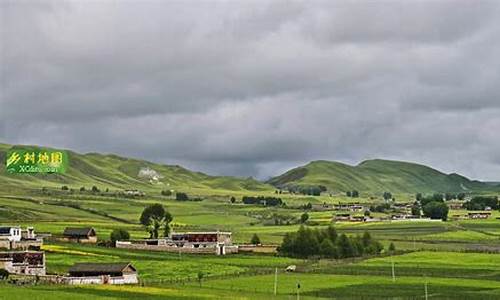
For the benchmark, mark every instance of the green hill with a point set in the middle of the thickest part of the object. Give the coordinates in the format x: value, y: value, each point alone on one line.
x: 375, y: 176
x: 115, y: 172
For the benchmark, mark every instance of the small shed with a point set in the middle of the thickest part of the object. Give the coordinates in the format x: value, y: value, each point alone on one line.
x: 80, y: 234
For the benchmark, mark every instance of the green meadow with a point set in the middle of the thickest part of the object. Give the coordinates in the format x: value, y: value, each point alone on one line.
x: 454, y: 259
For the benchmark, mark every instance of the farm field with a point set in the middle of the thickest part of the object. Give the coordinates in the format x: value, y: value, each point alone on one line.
x: 452, y: 257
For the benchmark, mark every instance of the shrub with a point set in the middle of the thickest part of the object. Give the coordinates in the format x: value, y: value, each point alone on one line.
x: 436, y: 210
x: 118, y: 235
x: 255, y: 239
x: 181, y: 197
x: 304, y: 217
x: 166, y: 193
x: 4, y: 274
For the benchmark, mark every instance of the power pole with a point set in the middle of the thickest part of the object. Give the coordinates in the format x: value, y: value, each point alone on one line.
x: 425, y: 287
x: 393, y: 273
x: 298, y: 291
x: 275, y: 281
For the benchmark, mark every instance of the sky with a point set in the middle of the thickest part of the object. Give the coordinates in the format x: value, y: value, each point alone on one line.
x: 254, y: 88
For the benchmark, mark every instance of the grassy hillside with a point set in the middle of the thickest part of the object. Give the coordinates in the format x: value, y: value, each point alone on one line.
x: 376, y: 176
x: 115, y: 172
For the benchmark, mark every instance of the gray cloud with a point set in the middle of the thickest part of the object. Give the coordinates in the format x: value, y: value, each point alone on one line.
x: 254, y: 88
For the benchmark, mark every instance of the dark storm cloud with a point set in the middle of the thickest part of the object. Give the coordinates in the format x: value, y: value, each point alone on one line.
x: 253, y: 88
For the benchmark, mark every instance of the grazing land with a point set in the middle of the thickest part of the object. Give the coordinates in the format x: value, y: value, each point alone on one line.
x: 455, y: 259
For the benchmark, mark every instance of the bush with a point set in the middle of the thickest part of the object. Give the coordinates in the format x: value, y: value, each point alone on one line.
x: 95, y: 189
x: 119, y: 235
x: 255, y: 239
x: 304, y: 217
x: 181, y: 197
x: 64, y: 188
x: 436, y: 210
x: 4, y: 274
x: 166, y: 193
x: 392, y: 248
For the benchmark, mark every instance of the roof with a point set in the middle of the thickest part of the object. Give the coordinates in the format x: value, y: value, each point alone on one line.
x: 100, y: 267
x: 79, y: 231
x: 6, y: 230
x: 202, y: 232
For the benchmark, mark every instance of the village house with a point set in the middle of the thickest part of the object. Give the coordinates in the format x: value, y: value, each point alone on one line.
x: 102, y: 273
x: 14, y: 237
x: 354, y: 207
x: 80, y: 235
x: 479, y: 215
x: 213, y: 242
x: 134, y: 193
x: 341, y: 217
x: 23, y: 262
x: 455, y: 205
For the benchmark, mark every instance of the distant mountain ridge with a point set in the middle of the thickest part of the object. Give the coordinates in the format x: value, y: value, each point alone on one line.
x: 376, y: 175
x: 118, y: 172
x: 113, y: 171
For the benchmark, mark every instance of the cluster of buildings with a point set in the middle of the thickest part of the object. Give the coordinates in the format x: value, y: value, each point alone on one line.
x: 20, y: 251
x: 211, y: 242
x: 20, y: 254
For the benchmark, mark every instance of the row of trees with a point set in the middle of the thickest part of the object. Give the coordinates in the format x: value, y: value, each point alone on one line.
x: 439, y: 197
x: 308, y: 242
x: 262, y: 200
x: 481, y: 202
x: 311, y: 190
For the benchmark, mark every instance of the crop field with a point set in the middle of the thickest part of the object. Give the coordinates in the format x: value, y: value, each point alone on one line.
x: 437, y: 253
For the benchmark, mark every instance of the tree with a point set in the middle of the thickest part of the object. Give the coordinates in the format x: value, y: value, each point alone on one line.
x: 355, y: 194
x: 95, y: 189
x: 154, y: 217
x: 331, y: 233
x: 181, y: 197
x: 387, y: 196
x: 348, y: 193
x: 415, y: 209
x: 436, y: 210
x: 367, y: 239
x: 200, y: 277
x: 167, y: 193
x: 392, y: 248
x: 481, y: 202
x: 233, y: 200
x: 327, y: 248
x: 461, y: 196
x: 345, y: 246
x: 82, y: 189
x: 4, y: 274
x: 64, y: 188
x: 119, y: 235
x: 255, y: 239
x: 418, y: 196
x: 304, y: 217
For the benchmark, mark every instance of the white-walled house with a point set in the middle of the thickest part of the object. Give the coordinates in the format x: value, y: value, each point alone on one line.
x: 12, y: 234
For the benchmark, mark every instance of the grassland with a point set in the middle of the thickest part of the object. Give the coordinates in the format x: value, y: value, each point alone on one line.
x: 450, y: 256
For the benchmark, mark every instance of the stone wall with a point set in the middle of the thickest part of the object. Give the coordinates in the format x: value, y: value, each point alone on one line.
x: 127, y: 245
